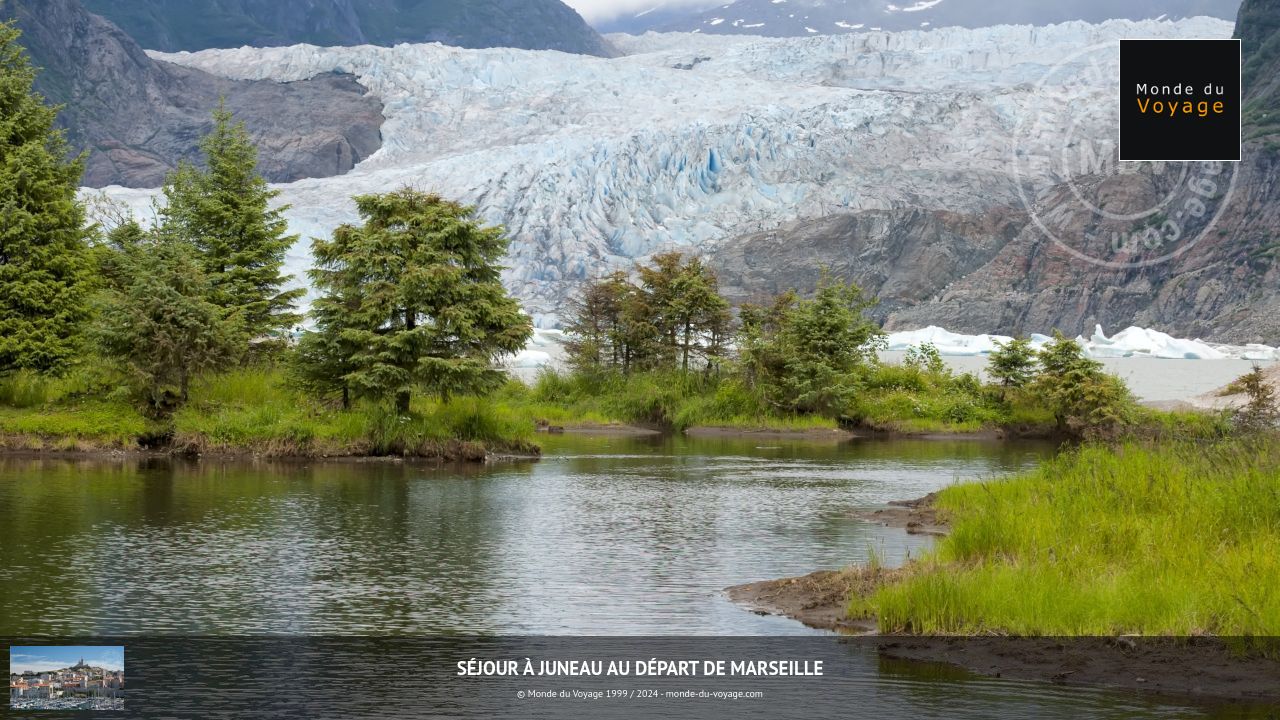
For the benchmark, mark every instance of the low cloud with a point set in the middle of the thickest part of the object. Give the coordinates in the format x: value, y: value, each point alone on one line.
x: 600, y: 10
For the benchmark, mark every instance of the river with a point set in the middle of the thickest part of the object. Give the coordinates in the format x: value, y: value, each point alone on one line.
x: 605, y: 536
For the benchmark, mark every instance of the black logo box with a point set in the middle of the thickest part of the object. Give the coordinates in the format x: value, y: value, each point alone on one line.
x: 1189, y: 65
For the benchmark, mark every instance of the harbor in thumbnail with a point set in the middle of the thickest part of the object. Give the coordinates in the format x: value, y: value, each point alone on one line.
x: 66, y: 678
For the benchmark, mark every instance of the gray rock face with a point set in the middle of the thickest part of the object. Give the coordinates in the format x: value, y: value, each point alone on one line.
x: 175, y: 25
x: 138, y: 117
x: 899, y: 256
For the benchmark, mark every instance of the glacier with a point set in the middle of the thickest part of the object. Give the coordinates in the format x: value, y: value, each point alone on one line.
x: 595, y: 164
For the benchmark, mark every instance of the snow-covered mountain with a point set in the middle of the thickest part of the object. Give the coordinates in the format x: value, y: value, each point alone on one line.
x: 799, y: 18
x: 689, y: 140
x: 659, y: 14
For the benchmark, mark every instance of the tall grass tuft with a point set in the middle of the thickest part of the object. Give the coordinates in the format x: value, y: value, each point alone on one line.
x: 1172, y: 539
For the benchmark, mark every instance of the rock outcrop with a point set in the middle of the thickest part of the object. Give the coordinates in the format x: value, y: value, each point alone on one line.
x: 138, y: 117
x: 898, y: 256
x: 175, y: 25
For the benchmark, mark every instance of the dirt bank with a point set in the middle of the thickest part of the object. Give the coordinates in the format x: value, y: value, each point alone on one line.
x: 818, y: 600
x: 1229, y: 396
x: 770, y: 434
x: 917, y: 517
x: 1197, y: 667
x: 600, y: 430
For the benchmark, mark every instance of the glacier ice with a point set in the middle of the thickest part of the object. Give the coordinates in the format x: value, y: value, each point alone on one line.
x: 593, y: 164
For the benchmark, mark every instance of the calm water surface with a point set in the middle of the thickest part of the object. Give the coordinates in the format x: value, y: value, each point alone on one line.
x: 604, y: 536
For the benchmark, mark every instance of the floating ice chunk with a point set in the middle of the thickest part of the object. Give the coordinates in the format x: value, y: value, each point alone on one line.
x: 947, y: 342
x: 1130, y: 342
x: 528, y: 359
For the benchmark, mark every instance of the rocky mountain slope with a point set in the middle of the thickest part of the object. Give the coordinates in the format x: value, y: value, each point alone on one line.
x: 1224, y: 286
x: 798, y: 18
x: 693, y: 140
x: 1220, y: 279
x: 899, y: 255
x: 172, y: 25
x: 138, y: 117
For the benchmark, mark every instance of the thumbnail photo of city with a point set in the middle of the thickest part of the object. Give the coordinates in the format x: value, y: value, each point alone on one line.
x: 66, y: 677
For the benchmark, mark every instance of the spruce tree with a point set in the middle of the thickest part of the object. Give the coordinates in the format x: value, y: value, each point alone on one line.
x: 823, y: 342
x: 421, y: 296
x: 806, y: 354
x: 1086, y: 401
x: 1013, y: 364
x: 686, y: 308
x: 43, y: 250
x: 224, y: 211
x: 157, y: 322
x: 325, y: 355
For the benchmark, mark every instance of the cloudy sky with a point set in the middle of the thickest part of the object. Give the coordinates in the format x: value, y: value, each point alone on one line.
x: 596, y: 10
x: 46, y: 658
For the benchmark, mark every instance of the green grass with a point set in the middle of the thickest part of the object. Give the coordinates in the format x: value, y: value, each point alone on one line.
x: 670, y: 400
x: 86, y: 408
x: 892, y: 398
x: 256, y: 409
x: 251, y: 410
x: 94, y: 422
x: 900, y: 398
x: 1169, y: 539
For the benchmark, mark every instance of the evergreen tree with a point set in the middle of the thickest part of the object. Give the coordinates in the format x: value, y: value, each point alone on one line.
x: 806, y: 354
x: 159, y: 324
x: 686, y: 309
x: 1013, y: 364
x: 594, y: 336
x: 427, y: 306
x: 113, y: 255
x: 43, y: 251
x: 1085, y: 400
x: 325, y: 356
x: 759, y: 353
x: 224, y: 211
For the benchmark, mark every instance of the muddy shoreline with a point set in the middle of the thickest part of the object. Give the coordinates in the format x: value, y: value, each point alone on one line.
x: 1209, y: 669
x: 450, y: 454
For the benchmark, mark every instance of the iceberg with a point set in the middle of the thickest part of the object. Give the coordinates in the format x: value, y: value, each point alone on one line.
x: 947, y: 343
x: 1130, y: 342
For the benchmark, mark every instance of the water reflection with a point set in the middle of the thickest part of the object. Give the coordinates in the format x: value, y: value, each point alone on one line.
x: 604, y: 536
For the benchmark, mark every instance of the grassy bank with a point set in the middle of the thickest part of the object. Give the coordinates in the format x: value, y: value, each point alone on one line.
x: 257, y: 411
x: 891, y: 399
x: 1173, y: 539
x: 251, y: 411
x: 669, y: 400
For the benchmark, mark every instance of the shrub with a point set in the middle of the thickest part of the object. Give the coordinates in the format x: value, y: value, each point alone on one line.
x: 1260, y: 411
